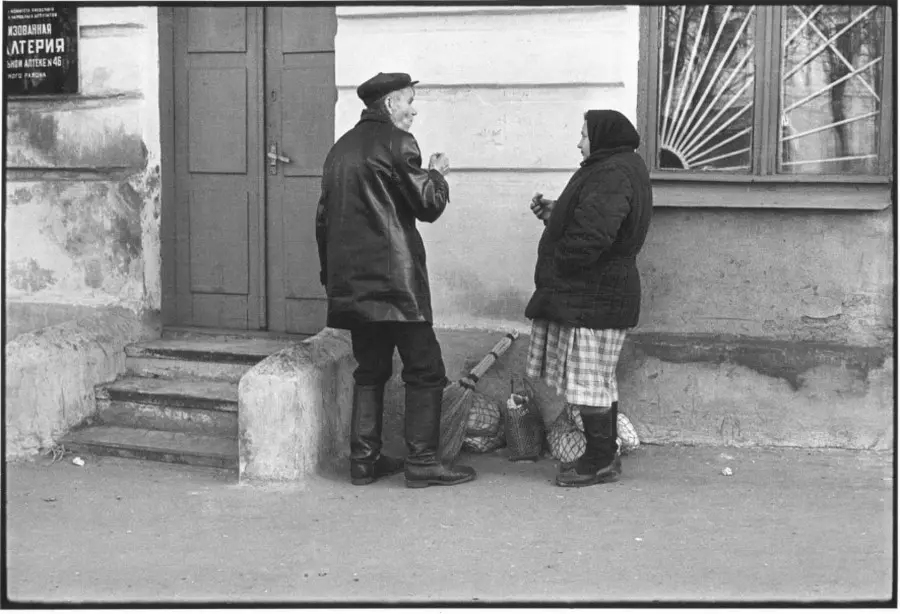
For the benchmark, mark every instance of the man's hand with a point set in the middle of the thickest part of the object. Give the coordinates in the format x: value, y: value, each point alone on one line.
x: 439, y: 162
x: 541, y: 207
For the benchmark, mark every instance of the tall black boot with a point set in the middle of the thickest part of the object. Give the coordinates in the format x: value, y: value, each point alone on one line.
x: 600, y: 461
x: 366, y: 462
x: 423, y: 436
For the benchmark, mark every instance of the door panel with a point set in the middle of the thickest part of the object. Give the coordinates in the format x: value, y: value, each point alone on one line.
x: 219, y: 147
x: 301, y: 265
x: 219, y: 239
x: 300, y: 99
x: 217, y: 125
x: 308, y: 29
x: 217, y: 29
x: 307, y: 126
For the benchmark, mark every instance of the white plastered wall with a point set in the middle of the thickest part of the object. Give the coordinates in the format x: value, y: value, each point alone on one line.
x: 502, y: 91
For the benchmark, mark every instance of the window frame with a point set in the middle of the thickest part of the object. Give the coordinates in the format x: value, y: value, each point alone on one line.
x: 876, y: 189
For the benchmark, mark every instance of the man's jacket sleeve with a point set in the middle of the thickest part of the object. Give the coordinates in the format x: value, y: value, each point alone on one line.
x: 425, y: 191
x: 599, y: 212
x: 321, y: 226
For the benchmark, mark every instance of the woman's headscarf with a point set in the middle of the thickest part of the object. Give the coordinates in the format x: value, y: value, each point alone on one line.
x: 610, y: 133
x: 608, y: 129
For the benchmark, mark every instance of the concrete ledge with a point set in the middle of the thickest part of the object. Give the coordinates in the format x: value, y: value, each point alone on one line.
x: 51, y: 374
x: 294, y: 409
x: 703, y: 389
x: 711, y: 390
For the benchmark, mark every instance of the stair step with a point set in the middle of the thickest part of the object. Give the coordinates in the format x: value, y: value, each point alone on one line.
x: 190, y: 406
x: 199, y: 394
x: 177, y: 369
x: 216, y: 359
x: 154, y: 445
x: 167, y: 418
x: 232, y: 351
x: 225, y: 334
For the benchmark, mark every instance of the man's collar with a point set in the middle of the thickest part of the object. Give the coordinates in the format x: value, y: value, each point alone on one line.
x: 374, y: 116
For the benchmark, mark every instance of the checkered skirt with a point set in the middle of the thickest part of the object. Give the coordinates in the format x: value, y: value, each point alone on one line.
x: 579, y: 362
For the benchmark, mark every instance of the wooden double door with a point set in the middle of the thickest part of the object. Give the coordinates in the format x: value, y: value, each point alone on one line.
x: 253, y: 96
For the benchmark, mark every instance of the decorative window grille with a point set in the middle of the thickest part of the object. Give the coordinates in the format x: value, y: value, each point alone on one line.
x: 766, y: 90
x: 705, y: 103
x: 831, y: 71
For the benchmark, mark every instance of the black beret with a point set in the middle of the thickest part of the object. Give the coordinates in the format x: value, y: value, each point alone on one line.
x: 383, y: 84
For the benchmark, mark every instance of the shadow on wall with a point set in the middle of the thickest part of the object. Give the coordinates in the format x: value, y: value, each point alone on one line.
x: 37, y: 138
x: 460, y: 292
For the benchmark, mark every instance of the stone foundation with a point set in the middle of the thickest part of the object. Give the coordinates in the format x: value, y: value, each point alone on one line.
x: 51, y: 374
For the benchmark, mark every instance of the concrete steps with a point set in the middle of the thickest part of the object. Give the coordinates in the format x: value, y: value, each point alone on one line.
x: 218, y: 359
x: 205, y: 407
x: 178, y: 399
x: 147, y: 444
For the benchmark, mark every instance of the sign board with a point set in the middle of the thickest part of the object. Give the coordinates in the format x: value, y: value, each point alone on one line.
x: 41, y: 49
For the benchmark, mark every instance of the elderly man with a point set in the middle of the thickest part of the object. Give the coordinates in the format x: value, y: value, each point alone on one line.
x: 373, y: 268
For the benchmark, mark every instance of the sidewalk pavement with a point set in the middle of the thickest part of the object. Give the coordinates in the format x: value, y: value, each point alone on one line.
x: 789, y: 524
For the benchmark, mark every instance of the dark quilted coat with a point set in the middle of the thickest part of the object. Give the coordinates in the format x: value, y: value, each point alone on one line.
x: 586, y: 273
x: 371, y: 254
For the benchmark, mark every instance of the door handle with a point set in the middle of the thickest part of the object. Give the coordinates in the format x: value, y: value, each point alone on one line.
x: 274, y: 157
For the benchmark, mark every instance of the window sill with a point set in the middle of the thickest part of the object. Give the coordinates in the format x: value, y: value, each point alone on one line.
x: 763, y: 194
x: 758, y: 179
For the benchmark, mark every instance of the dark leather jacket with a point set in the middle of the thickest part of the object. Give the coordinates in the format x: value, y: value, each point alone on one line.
x: 371, y: 254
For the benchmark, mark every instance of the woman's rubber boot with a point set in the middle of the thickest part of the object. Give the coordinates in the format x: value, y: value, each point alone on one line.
x: 423, y: 436
x: 600, y: 462
x: 366, y: 461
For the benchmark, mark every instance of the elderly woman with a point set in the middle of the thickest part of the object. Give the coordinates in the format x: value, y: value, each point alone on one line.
x: 587, y: 286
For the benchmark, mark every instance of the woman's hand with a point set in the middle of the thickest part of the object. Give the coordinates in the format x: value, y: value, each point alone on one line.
x: 541, y: 207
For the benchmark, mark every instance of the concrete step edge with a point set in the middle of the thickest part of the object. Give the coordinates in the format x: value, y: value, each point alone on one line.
x: 213, y: 395
x: 145, y: 350
x: 188, y: 420
x: 193, y: 332
x: 202, y: 450
x: 162, y: 368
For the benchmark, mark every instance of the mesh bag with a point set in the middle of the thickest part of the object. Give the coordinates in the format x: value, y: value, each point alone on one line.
x: 484, y: 416
x: 484, y: 443
x: 524, y: 425
x: 566, y: 436
x: 484, y: 426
